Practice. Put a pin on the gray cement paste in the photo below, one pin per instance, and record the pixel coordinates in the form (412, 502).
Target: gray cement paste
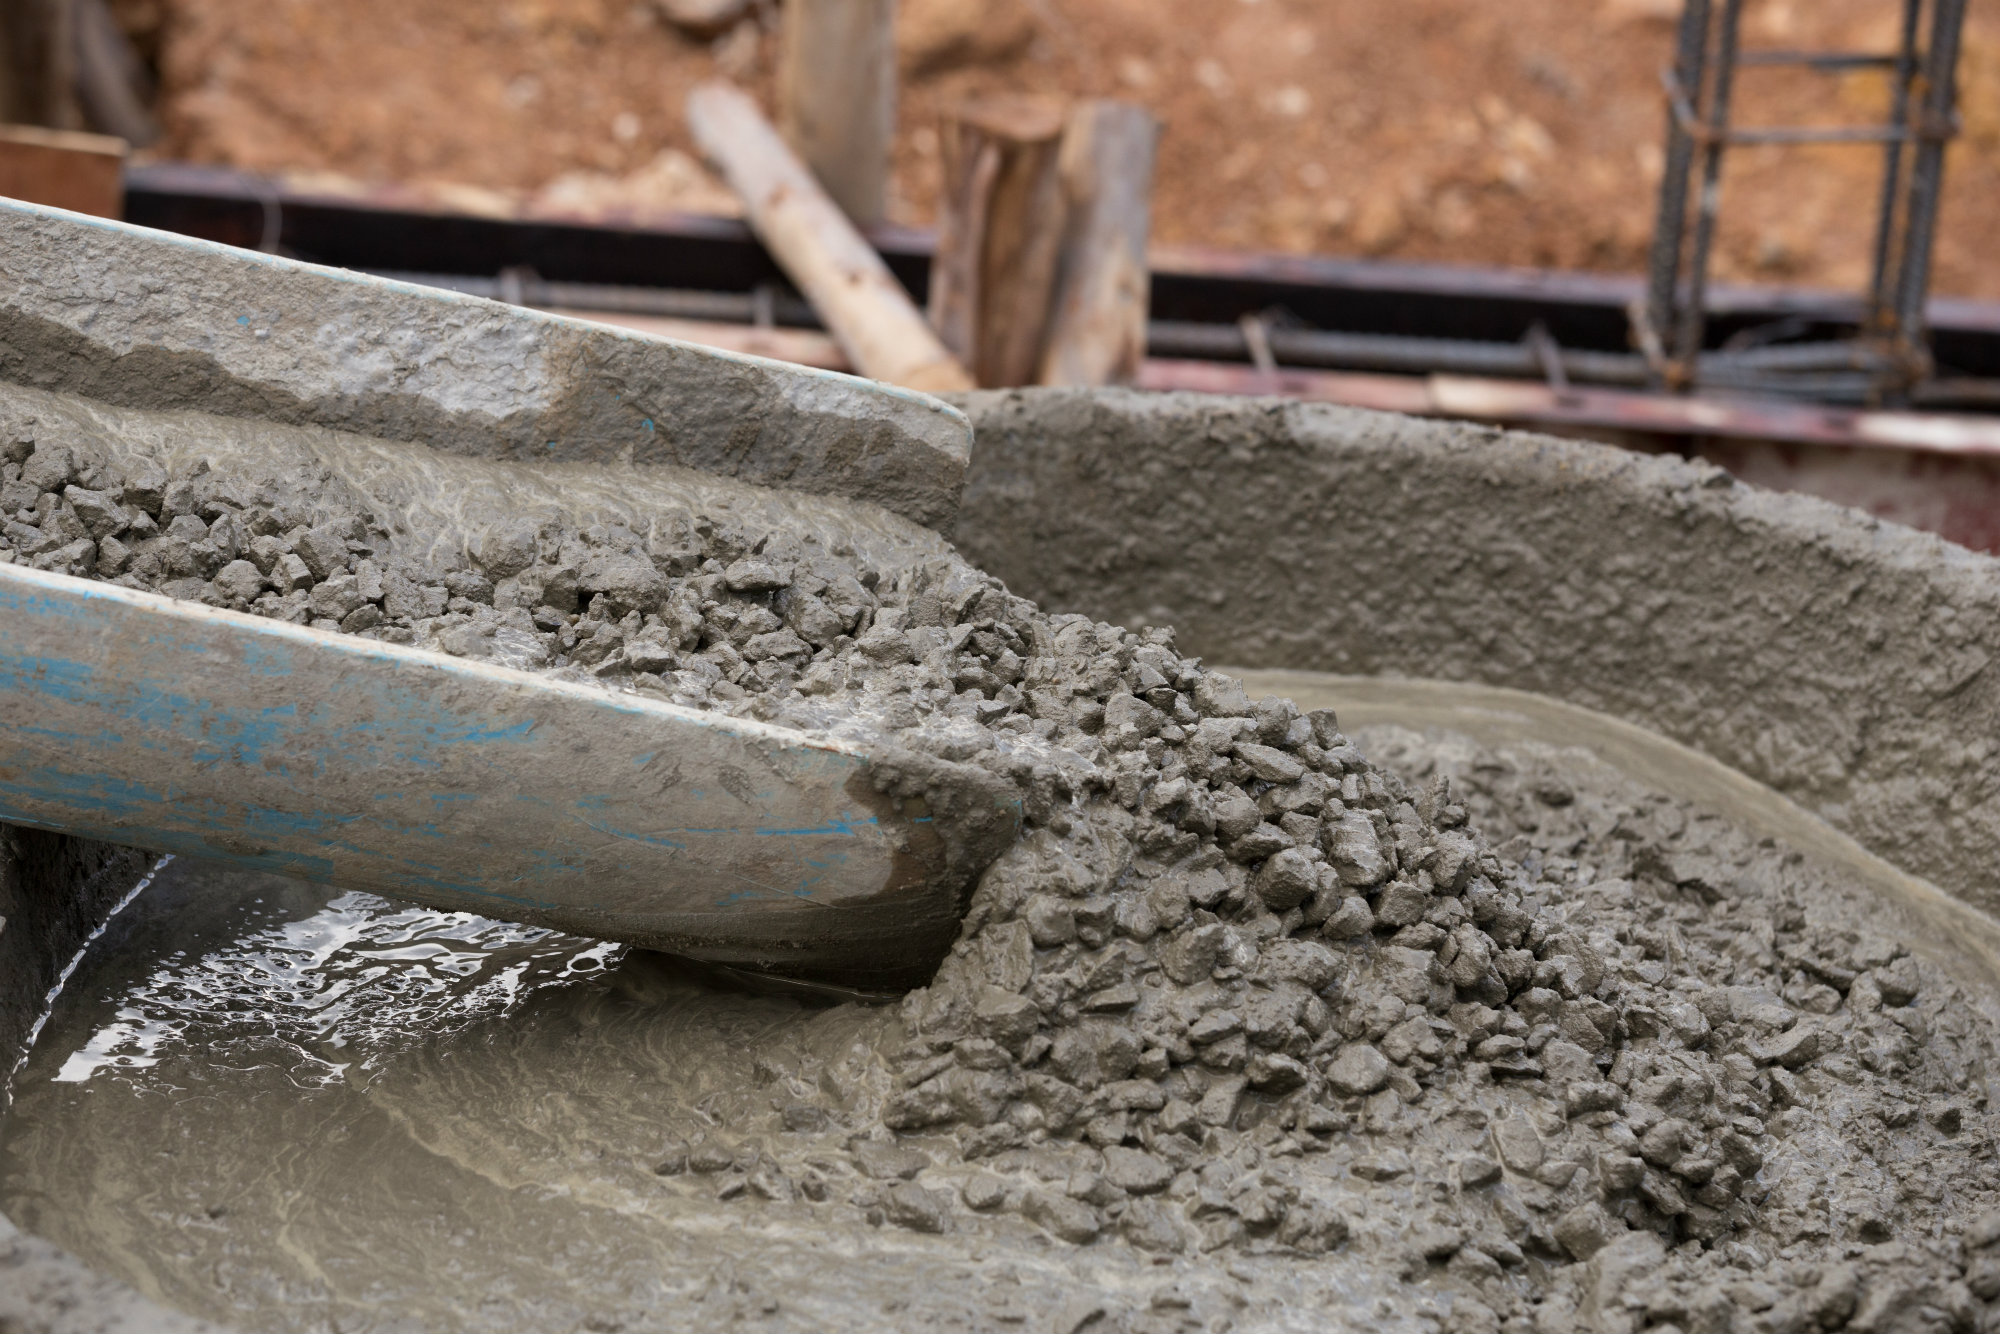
(1843, 661)
(1246, 1028)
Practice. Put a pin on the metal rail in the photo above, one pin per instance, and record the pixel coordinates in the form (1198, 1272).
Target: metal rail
(1317, 312)
(1838, 371)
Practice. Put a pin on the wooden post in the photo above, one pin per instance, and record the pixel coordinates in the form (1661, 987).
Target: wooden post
(837, 96)
(38, 64)
(1098, 333)
(865, 308)
(1000, 234)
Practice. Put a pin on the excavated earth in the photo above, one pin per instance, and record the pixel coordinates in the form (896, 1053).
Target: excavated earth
(1258, 1024)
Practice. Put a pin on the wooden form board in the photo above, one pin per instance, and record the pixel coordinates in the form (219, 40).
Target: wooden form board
(84, 173)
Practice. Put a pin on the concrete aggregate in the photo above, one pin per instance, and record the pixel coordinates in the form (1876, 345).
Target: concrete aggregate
(1572, 1055)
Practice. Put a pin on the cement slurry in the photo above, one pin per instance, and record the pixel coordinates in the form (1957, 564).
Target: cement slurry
(655, 1152)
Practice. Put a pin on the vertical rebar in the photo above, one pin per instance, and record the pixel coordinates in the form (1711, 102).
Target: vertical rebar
(1670, 225)
(1670, 327)
(1714, 117)
(1939, 101)
(1882, 302)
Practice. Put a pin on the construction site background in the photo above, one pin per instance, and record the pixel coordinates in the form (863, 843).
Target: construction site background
(1458, 130)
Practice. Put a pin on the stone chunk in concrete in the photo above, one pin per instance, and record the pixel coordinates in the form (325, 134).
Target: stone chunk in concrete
(1358, 1069)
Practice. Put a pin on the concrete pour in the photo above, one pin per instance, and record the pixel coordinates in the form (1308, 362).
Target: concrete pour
(1237, 991)
(739, 1145)
(1844, 661)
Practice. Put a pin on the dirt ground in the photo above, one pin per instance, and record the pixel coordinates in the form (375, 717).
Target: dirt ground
(1457, 130)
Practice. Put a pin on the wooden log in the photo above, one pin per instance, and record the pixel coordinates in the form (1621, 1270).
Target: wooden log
(837, 96)
(1000, 234)
(111, 80)
(84, 173)
(1097, 334)
(863, 305)
(702, 18)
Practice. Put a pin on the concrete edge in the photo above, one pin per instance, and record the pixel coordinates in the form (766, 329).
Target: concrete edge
(150, 319)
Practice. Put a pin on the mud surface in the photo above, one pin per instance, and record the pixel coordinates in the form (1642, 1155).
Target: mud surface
(1436, 130)
(703, 1156)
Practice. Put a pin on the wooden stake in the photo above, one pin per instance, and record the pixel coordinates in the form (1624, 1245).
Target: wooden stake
(837, 96)
(1000, 234)
(84, 173)
(865, 308)
(1098, 333)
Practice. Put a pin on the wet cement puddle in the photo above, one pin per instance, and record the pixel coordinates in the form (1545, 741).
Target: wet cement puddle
(284, 1107)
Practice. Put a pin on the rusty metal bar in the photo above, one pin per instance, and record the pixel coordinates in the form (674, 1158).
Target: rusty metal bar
(1721, 82)
(1881, 309)
(1926, 183)
(1663, 267)
(1672, 327)
(1835, 134)
(1391, 352)
(1902, 129)
(1820, 60)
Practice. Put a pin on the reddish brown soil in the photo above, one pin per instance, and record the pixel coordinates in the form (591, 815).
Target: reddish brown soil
(1463, 130)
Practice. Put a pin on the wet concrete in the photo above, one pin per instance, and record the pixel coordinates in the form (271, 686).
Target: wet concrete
(1320, 1163)
(1841, 660)
(1496, 717)
(222, 1011)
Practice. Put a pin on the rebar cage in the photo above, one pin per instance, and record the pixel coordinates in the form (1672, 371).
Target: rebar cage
(1889, 354)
